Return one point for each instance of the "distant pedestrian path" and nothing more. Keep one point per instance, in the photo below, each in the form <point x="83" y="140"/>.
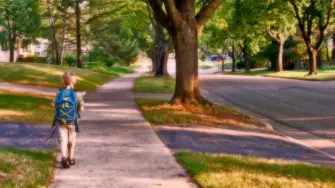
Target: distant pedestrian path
<point x="28" y="88"/>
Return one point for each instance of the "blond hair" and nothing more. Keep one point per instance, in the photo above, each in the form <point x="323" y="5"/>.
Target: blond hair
<point x="69" y="78"/>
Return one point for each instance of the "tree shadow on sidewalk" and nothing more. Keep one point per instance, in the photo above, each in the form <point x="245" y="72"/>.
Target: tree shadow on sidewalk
<point x="22" y="135"/>
<point x="231" y="142"/>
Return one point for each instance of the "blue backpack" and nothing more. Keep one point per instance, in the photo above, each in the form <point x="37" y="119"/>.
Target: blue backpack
<point x="66" y="107"/>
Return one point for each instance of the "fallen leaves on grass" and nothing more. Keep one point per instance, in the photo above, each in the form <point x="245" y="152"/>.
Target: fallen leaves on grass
<point x="160" y="112"/>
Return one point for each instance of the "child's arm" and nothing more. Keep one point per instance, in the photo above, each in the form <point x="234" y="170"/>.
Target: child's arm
<point x="81" y="102"/>
<point x="53" y="102"/>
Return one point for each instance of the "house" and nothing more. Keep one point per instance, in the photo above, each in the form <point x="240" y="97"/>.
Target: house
<point x="39" y="48"/>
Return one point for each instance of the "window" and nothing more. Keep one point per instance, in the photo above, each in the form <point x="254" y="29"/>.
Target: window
<point x="4" y="46"/>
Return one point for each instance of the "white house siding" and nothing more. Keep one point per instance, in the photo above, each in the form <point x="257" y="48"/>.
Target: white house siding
<point x="4" y="56"/>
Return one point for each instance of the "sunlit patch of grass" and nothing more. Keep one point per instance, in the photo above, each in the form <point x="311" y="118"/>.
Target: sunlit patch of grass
<point x="251" y="73"/>
<point x="25" y="168"/>
<point x="151" y="84"/>
<point x="223" y="170"/>
<point x="120" y="70"/>
<point x="50" y="75"/>
<point x="205" y="66"/>
<point x="323" y="75"/>
<point x="159" y="112"/>
<point x="25" y="108"/>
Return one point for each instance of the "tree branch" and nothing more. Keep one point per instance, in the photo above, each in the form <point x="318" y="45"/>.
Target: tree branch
<point x="206" y="12"/>
<point x="297" y="15"/>
<point x="322" y="28"/>
<point x="159" y="13"/>
<point x="173" y="12"/>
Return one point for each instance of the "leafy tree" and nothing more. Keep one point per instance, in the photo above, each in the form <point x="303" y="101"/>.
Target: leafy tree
<point x="78" y="5"/>
<point x="278" y="24"/>
<point x="184" y="25"/>
<point x="20" y="19"/>
<point x="247" y="28"/>
<point x="313" y="17"/>
<point x="119" y="30"/>
<point x="160" y="48"/>
<point x="218" y="34"/>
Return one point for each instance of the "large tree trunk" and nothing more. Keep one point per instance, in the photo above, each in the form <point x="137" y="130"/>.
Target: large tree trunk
<point x="327" y="50"/>
<point x="162" y="53"/>
<point x="312" y="61"/>
<point x="161" y="64"/>
<point x="54" y="42"/>
<point x="333" y="49"/>
<point x="12" y="41"/>
<point x="233" y="59"/>
<point x="319" y="59"/>
<point x="279" y="67"/>
<point x="246" y="56"/>
<point x="79" y="52"/>
<point x="185" y="41"/>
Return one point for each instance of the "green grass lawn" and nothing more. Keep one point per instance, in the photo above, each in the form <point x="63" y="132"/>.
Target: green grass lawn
<point x="158" y="112"/>
<point x="25" y="168"/>
<point x="251" y="73"/>
<point x="115" y="70"/>
<point x="205" y="66"/>
<point x="302" y="75"/>
<point x="151" y="84"/>
<point x="50" y="75"/>
<point x="323" y="75"/>
<point x="222" y="170"/>
<point x="20" y="107"/>
<point x="120" y="70"/>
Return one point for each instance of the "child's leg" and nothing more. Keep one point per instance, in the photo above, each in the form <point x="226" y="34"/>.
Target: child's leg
<point x="72" y="140"/>
<point x="63" y="140"/>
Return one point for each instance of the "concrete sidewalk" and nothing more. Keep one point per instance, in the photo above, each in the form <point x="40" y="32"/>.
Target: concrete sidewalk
<point x="117" y="147"/>
<point x="28" y="88"/>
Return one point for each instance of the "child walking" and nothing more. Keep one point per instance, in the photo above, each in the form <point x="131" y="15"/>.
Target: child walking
<point x="68" y="103"/>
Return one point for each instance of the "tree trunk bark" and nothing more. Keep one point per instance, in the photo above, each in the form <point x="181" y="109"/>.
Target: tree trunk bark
<point x="12" y="41"/>
<point x="280" y="56"/>
<point x="79" y="52"/>
<point x="233" y="59"/>
<point x="222" y="55"/>
<point x="185" y="41"/>
<point x="327" y="50"/>
<point x="319" y="59"/>
<point x="54" y="42"/>
<point x="312" y="61"/>
<point x="333" y="49"/>
<point x="162" y="53"/>
<point x="246" y="56"/>
<point x="161" y="64"/>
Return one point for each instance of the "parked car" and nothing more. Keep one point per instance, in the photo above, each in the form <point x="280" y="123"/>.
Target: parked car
<point x="215" y="57"/>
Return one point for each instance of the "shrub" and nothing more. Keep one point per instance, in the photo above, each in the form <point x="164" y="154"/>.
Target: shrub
<point x="70" y="60"/>
<point x="328" y="67"/>
<point x="203" y="56"/>
<point x="240" y="65"/>
<point x="111" y="60"/>
<point x="42" y="60"/>
<point x="29" y="58"/>
<point x="20" y="58"/>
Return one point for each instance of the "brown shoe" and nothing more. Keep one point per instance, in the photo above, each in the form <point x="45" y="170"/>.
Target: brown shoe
<point x="71" y="161"/>
<point x="65" y="163"/>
